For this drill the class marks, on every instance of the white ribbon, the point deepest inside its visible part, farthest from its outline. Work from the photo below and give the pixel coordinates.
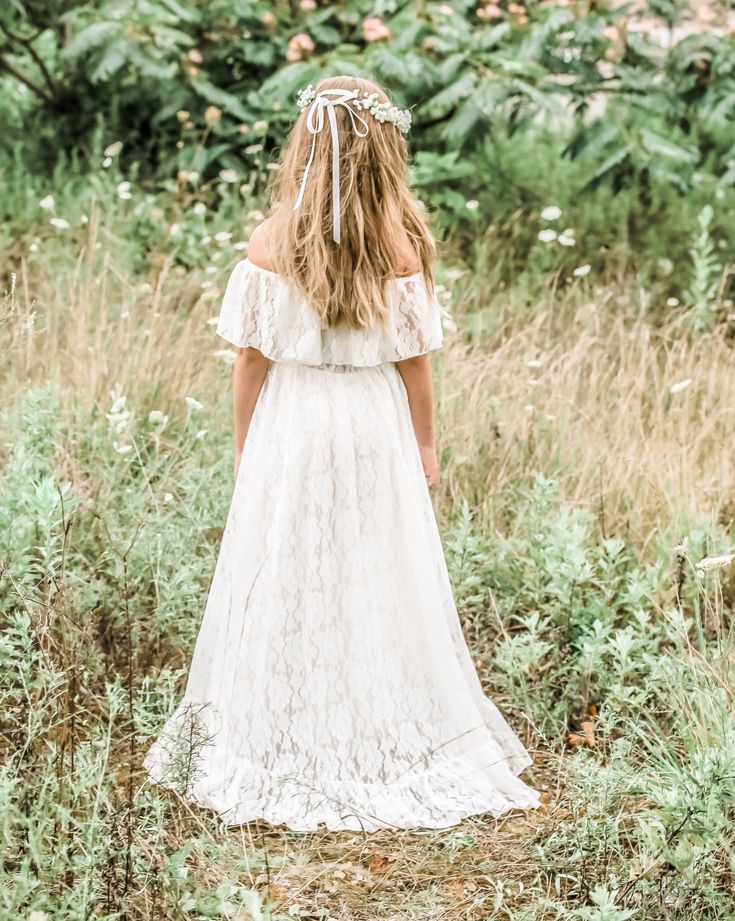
(328, 99)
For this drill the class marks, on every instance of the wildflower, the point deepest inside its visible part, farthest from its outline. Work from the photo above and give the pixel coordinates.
(260, 126)
(84, 219)
(566, 237)
(199, 208)
(211, 269)
(253, 148)
(489, 11)
(47, 203)
(375, 30)
(715, 562)
(38, 916)
(195, 56)
(33, 248)
(547, 236)
(517, 8)
(223, 236)
(60, 223)
(681, 385)
(582, 270)
(123, 190)
(194, 404)
(121, 449)
(300, 47)
(534, 363)
(672, 301)
(200, 434)
(168, 497)
(268, 19)
(308, 5)
(472, 205)
(446, 10)
(156, 417)
(551, 213)
(206, 284)
(113, 150)
(226, 355)
(182, 115)
(212, 115)
(107, 163)
(240, 245)
(228, 175)
(174, 229)
(611, 33)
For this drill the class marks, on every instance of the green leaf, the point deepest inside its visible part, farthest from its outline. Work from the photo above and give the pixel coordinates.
(453, 94)
(661, 146)
(88, 39)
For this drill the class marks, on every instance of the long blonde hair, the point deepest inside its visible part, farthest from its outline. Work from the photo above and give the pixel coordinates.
(380, 216)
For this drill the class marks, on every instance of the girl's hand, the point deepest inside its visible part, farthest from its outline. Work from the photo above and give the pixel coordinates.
(430, 464)
(238, 458)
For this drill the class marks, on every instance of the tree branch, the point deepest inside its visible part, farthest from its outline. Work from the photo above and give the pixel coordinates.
(26, 81)
(27, 44)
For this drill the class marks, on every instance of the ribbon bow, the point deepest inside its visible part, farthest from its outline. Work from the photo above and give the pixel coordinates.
(328, 100)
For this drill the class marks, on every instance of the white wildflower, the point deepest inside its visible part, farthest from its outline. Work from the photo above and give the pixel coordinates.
(107, 163)
(681, 385)
(547, 236)
(228, 175)
(551, 213)
(566, 238)
(199, 208)
(201, 433)
(472, 205)
(206, 284)
(48, 203)
(168, 497)
(123, 190)
(33, 248)
(122, 449)
(194, 404)
(582, 270)
(60, 223)
(156, 417)
(174, 229)
(253, 148)
(260, 126)
(672, 301)
(534, 363)
(113, 149)
(223, 236)
(715, 562)
(240, 245)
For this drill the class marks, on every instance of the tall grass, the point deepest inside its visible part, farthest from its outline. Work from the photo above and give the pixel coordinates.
(583, 481)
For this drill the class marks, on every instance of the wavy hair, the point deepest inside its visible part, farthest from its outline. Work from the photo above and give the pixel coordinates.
(380, 216)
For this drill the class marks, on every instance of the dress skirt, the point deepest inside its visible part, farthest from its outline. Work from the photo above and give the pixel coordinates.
(331, 685)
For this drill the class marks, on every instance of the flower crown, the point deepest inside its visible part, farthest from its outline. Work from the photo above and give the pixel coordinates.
(367, 102)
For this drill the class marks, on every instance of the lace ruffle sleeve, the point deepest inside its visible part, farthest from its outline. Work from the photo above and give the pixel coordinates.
(263, 310)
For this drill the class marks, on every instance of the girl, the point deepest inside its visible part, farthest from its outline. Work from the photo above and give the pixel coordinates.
(330, 683)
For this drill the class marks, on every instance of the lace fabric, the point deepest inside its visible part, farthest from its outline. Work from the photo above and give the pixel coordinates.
(263, 310)
(331, 685)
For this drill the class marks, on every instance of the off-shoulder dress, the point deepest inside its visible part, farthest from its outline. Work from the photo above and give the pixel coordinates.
(331, 685)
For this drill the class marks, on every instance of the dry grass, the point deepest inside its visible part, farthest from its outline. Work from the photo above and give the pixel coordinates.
(578, 389)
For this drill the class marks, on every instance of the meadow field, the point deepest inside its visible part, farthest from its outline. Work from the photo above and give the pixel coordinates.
(585, 398)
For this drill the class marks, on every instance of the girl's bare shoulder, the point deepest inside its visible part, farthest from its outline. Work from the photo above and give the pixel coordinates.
(258, 246)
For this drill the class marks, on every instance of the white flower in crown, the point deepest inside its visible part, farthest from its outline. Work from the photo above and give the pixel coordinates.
(367, 102)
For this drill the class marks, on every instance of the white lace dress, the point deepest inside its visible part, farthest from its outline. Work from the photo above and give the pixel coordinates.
(330, 683)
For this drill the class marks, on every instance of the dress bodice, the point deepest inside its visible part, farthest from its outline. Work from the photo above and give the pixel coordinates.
(264, 310)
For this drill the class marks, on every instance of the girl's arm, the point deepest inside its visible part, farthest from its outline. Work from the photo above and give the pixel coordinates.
(247, 379)
(416, 374)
